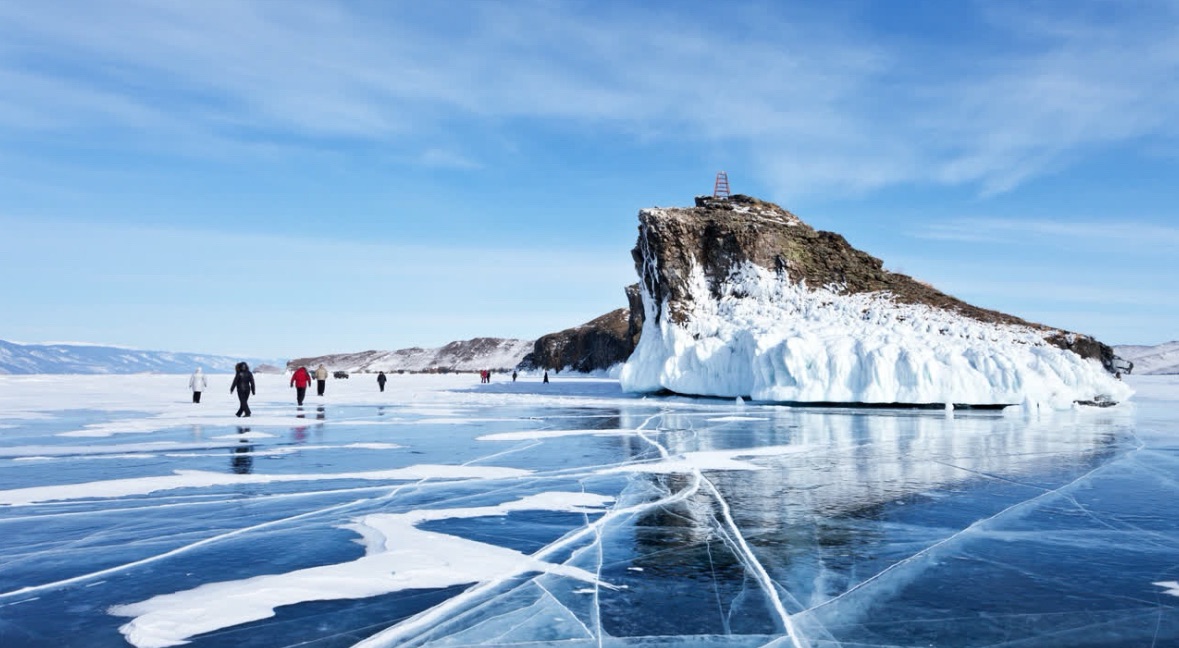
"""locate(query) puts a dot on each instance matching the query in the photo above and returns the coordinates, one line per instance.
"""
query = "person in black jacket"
(243, 383)
(381, 380)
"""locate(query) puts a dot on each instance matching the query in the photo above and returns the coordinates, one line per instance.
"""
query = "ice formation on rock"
(719, 321)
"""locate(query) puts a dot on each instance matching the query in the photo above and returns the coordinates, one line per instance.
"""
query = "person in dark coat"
(299, 380)
(381, 380)
(546, 375)
(243, 384)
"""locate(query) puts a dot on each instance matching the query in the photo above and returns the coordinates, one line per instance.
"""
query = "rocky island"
(742, 298)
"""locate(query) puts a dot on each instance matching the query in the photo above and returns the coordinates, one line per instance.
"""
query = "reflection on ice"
(242, 460)
(584, 517)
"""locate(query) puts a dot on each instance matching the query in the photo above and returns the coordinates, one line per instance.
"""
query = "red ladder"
(721, 188)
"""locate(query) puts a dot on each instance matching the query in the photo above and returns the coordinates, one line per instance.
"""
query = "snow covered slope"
(1157, 359)
(462, 355)
(94, 359)
(720, 322)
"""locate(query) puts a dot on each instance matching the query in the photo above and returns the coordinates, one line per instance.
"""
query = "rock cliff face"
(597, 345)
(742, 297)
(721, 234)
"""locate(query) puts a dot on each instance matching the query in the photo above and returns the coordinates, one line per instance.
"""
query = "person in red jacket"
(300, 380)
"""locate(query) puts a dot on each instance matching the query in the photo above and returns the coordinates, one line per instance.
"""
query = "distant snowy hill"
(463, 355)
(742, 298)
(93, 359)
(1157, 359)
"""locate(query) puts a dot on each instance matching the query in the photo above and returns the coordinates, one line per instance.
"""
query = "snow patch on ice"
(204, 479)
(127, 448)
(709, 460)
(369, 446)
(1171, 587)
(95, 456)
(529, 435)
(398, 556)
(244, 436)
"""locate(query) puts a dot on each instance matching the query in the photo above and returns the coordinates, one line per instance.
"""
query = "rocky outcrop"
(719, 235)
(634, 325)
(596, 345)
(742, 298)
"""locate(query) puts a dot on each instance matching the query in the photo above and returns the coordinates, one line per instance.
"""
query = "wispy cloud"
(819, 101)
(1075, 81)
(1053, 293)
(441, 158)
(1139, 235)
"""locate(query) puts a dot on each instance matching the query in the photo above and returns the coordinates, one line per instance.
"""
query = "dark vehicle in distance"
(339, 374)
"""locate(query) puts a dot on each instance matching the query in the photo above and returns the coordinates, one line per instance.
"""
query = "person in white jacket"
(320, 379)
(197, 384)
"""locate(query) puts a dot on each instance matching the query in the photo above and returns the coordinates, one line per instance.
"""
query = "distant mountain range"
(1158, 359)
(464, 355)
(94, 359)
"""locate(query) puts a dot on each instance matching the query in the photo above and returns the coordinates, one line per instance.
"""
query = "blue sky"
(287, 178)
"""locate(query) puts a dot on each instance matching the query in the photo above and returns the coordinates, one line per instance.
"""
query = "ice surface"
(444, 512)
(776, 341)
(398, 556)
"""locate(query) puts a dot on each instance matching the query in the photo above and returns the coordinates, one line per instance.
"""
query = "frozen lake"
(444, 512)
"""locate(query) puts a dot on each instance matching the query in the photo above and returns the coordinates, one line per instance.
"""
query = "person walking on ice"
(243, 384)
(197, 384)
(381, 380)
(300, 380)
(320, 379)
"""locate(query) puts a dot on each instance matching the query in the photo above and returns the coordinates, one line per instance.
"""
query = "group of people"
(243, 383)
(485, 376)
(302, 378)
